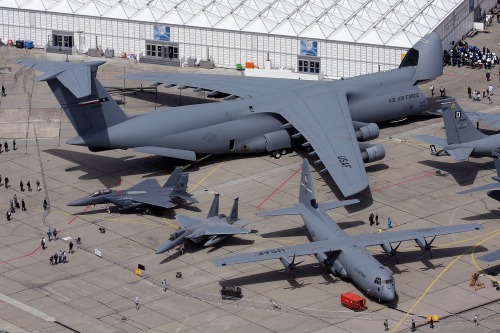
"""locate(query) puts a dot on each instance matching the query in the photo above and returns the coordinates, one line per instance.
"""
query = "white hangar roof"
(380, 22)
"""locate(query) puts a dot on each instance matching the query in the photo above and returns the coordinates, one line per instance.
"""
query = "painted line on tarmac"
(254, 177)
(475, 262)
(27, 308)
(426, 174)
(438, 278)
(279, 187)
(25, 255)
(204, 178)
(75, 217)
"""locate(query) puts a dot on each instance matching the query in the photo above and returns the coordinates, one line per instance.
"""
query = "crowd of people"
(463, 54)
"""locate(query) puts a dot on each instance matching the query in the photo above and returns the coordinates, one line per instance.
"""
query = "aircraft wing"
(146, 184)
(154, 200)
(493, 256)
(287, 251)
(484, 118)
(218, 230)
(233, 85)
(404, 235)
(323, 118)
(187, 221)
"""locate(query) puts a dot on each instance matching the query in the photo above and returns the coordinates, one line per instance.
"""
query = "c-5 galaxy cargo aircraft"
(493, 188)
(213, 229)
(463, 139)
(146, 193)
(333, 118)
(342, 254)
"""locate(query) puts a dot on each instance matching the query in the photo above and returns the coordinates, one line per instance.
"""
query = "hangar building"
(341, 38)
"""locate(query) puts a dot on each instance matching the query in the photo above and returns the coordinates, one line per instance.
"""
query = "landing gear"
(278, 153)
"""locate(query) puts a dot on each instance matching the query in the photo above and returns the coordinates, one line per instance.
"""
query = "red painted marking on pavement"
(279, 187)
(118, 183)
(26, 255)
(74, 217)
(427, 174)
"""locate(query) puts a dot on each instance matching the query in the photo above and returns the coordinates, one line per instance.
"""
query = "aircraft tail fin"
(458, 127)
(214, 209)
(233, 216)
(174, 177)
(87, 104)
(306, 194)
(427, 56)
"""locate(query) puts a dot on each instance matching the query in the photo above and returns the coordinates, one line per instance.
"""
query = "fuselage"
(250, 125)
(358, 263)
(482, 147)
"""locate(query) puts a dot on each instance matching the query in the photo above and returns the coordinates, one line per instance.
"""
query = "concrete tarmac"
(92, 293)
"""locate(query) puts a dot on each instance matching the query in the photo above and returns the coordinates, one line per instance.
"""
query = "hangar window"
(309, 65)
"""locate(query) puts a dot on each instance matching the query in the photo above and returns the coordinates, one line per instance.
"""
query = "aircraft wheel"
(276, 154)
(283, 152)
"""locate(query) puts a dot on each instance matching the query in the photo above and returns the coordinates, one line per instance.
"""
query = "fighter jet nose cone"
(79, 202)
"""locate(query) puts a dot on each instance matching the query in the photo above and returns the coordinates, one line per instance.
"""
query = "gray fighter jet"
(463, 139)
(146, 193)
(212, 230)
(334, 119)
(338, 252)
(493, 188)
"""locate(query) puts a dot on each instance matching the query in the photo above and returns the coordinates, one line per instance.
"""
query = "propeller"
(293, 266)
(393, 253)
(427, 247)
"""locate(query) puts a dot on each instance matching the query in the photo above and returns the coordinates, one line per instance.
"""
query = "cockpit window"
(101, 192)
(176, 235)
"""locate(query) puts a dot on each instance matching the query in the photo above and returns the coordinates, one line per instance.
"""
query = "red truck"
(353, 301)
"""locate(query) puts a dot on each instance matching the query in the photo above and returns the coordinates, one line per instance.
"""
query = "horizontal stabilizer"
(433, 140)
(487, 187)
(324, 206)
(283, 211)
(168, 152)
(460, 154)
(188, 198)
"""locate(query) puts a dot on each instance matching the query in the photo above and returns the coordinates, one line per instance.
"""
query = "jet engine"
(371, 152)
(127, 204)
(366, 132)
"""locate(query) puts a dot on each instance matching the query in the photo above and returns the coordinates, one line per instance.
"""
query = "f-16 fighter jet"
(338, 252)
(333, 119)
(211, 230)
(146, 193)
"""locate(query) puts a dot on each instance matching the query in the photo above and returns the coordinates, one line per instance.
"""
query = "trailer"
(353, 301)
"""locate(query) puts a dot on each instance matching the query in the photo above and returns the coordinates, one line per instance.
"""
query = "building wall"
(225, 48)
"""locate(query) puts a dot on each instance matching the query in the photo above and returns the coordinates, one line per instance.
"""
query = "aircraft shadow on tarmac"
(462, 174)
(491, 215)
(161, 98)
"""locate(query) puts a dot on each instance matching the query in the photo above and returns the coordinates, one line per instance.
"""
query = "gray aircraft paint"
(342, 254)
(261, 120)
(145, 193)
(463, 139)
(213, 229)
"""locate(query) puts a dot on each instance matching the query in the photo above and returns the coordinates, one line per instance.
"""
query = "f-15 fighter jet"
(146, 193)
(211, 230)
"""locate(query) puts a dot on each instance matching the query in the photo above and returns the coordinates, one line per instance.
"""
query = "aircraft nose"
(79, 202)
(168, 245)
(388, 295)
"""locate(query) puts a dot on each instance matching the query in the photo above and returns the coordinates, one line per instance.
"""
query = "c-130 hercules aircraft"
(343, 255)
(335, 118)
